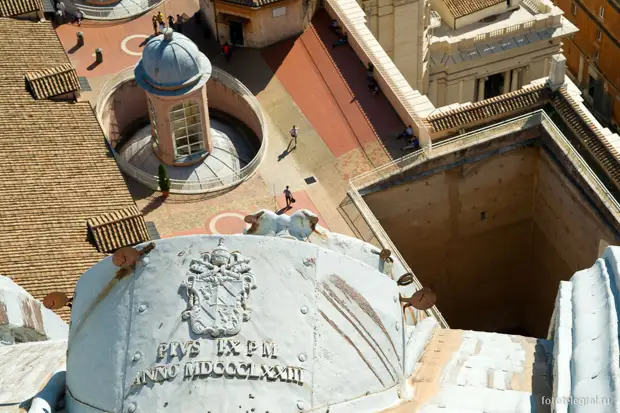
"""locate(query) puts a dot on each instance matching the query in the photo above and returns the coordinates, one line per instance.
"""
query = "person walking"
(79, 16)
(155, 25)
(288, 196)
(294, 133)
(227, 50)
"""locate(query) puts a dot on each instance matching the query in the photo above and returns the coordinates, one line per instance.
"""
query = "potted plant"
(164, 181)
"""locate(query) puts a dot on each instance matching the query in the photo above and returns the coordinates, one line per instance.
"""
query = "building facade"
(593, 53)
(256, 23)
(467, 51)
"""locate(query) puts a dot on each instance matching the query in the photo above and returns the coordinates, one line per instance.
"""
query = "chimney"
(557, 73)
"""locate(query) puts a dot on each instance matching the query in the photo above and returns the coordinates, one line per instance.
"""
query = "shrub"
(164, 181)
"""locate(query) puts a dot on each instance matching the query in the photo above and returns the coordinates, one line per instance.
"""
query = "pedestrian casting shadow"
(283, 210)
(283, 155)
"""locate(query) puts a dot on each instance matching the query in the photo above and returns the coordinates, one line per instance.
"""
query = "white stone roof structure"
(273, 323)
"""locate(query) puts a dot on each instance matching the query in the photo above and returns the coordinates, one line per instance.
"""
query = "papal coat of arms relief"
(218, 289)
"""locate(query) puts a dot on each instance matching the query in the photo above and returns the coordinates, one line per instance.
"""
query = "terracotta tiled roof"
(504, 104)
(118, 229)
(10, 8)
(460, 8)
(57, 170)
(53, 81)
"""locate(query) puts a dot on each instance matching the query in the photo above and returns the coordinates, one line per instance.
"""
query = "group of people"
(159, 23)
(62, 15)
(413, 142)
(342, 37)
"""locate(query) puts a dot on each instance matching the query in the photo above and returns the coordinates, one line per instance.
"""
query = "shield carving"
(218, 288)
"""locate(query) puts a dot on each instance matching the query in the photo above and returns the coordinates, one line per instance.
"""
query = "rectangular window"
(601, 12)
(279, 12)
(574, 9)
(599, 35)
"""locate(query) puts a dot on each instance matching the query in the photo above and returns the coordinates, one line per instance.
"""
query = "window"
(596, 55)
(599, 35)
(186, 127)
(601, 12)
(152, 113)
(574, 8)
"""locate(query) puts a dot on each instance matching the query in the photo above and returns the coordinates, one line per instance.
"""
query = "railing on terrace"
(517, 124)
(192, 186)
(126, 9)
(385, 242)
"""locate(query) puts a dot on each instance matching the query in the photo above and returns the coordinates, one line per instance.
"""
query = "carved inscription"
(224, 367)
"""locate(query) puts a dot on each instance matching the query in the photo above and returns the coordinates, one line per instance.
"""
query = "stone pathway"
(343, 130)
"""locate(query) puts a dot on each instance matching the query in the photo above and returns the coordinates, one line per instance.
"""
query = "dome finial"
(168, 33)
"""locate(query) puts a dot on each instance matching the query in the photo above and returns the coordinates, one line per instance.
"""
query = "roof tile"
(460, 8)
(58, 171)
(54, 81)
(118, 229)
(10, 8)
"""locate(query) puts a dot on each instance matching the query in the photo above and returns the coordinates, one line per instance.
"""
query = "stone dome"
(295, 321)
(172, 62)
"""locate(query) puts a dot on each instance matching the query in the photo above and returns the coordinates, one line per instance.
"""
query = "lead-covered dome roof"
(172, 64)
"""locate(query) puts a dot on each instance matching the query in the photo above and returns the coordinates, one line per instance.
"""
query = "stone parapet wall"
(410, 105)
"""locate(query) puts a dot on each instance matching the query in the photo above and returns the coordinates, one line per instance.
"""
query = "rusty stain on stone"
(352, 294)
(337, 303)
(348, 340)
(4, 317)
(31, 315)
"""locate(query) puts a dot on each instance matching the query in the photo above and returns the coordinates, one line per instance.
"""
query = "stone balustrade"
(448, 44)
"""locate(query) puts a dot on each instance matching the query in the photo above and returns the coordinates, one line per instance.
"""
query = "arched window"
(152, 113)
(186, 129)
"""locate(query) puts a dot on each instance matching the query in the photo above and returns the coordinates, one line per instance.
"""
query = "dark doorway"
(494, 86)
(236, 33)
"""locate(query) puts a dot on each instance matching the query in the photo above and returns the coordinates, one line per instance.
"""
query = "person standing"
(155, 25)
(160, 20)
(79, 15)
(171, 22)
(227, 50)
(288, 196)
(179, 24)
(294, 133)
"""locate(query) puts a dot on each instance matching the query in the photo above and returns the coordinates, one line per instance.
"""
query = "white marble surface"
(333, 317)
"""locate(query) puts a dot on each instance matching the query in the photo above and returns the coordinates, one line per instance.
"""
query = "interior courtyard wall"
(497, 272)
(226, 100)
(565, 239)
(123, 109)
(465, 233)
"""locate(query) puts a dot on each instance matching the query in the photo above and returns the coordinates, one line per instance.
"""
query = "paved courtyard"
(344, 131)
